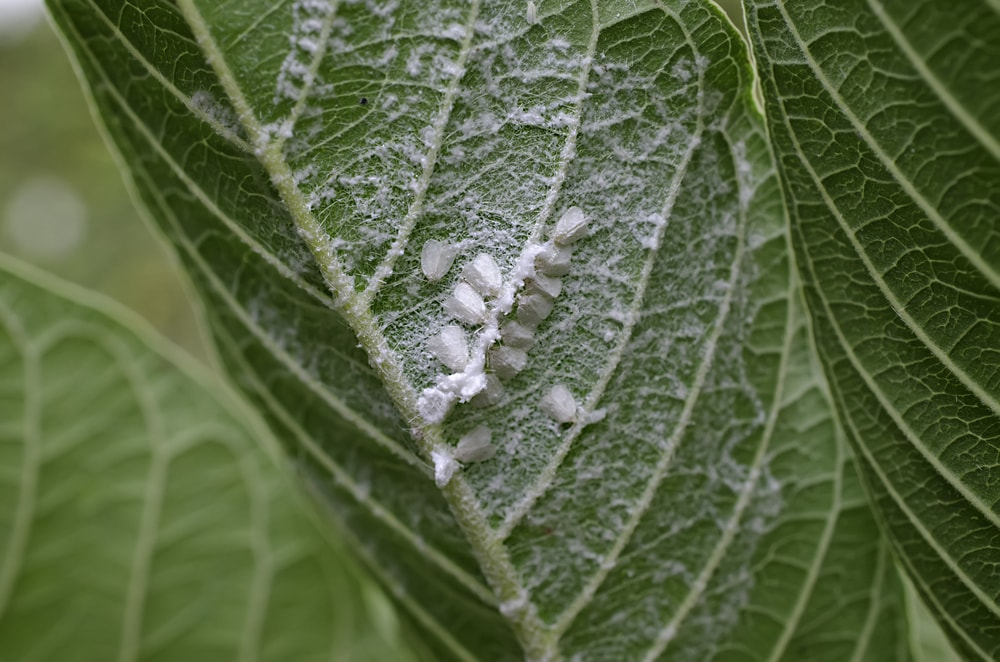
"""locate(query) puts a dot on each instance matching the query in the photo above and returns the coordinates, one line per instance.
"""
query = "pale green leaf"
(883, 116)
(299, 155)
(139, 517)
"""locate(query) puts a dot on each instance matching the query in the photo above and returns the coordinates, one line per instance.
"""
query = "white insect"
(549, 285)
(476, 446)
(436, 258)
(491, 395)
(571, 227)
(517, 335)
(532, 13)
(445, 467)
(533, 308)
(507, 361)
(559, 404)
(450, 347)
(554, 260)
(483, 274)
(466, 305)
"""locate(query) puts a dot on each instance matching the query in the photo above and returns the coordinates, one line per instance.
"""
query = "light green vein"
(384, 269)
(548, 474)
(310, 78)
(967, 251)
(867, 633)
(939, 87)
(379, 512)
(195, 110)
(493, 558)
(28, 473)
(945, 471)
(133, 609)
(567, 617)
(331, 399)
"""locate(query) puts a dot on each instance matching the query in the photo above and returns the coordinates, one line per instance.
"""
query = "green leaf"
(883, 116)
(139, 519)
(699, 503)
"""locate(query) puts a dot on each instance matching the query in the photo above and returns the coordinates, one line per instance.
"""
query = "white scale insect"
(532, 13)
(571, 227)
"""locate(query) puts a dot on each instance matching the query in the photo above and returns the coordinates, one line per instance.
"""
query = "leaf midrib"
(494, 558)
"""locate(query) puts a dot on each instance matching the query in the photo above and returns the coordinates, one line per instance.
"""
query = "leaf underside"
(298, 155)
(138, 517)
(884, 121)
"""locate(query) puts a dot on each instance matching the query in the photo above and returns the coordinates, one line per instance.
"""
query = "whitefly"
(466, 305)
(559, 404)
(476, 446)
(436, 258)
(450, 347)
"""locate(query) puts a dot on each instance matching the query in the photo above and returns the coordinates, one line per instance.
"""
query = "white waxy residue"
(466, 305)
(483, 274)
(436, 258)
(507, 361)
(450, 347)
(560, 404)
(445, 467)
(571, 227)
(476, 446)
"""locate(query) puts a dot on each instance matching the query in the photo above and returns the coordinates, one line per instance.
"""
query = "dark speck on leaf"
(364, 101)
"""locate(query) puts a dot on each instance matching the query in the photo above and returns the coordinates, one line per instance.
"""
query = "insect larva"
(476, 446)
(450, 347)
(436, 258)
(554, 260)
(491, 395)
(546, 284)
(570, 227)
(532, 13)
(559, 404)
(483, 274)
(517, 335)
(533, 308)
(466, 305)
(506, 361)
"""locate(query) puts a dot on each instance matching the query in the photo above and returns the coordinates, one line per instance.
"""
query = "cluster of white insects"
(482, 299)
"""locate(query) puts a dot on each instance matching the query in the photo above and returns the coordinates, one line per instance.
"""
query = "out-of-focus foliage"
(63, 204)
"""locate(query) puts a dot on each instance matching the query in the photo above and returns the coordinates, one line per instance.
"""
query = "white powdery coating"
(507, 361)
(445, 467)
(466, 305)
(571, 227)
(450, 347)
(483, 274)
(560, 404)
(476, 446)
(436, 258)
